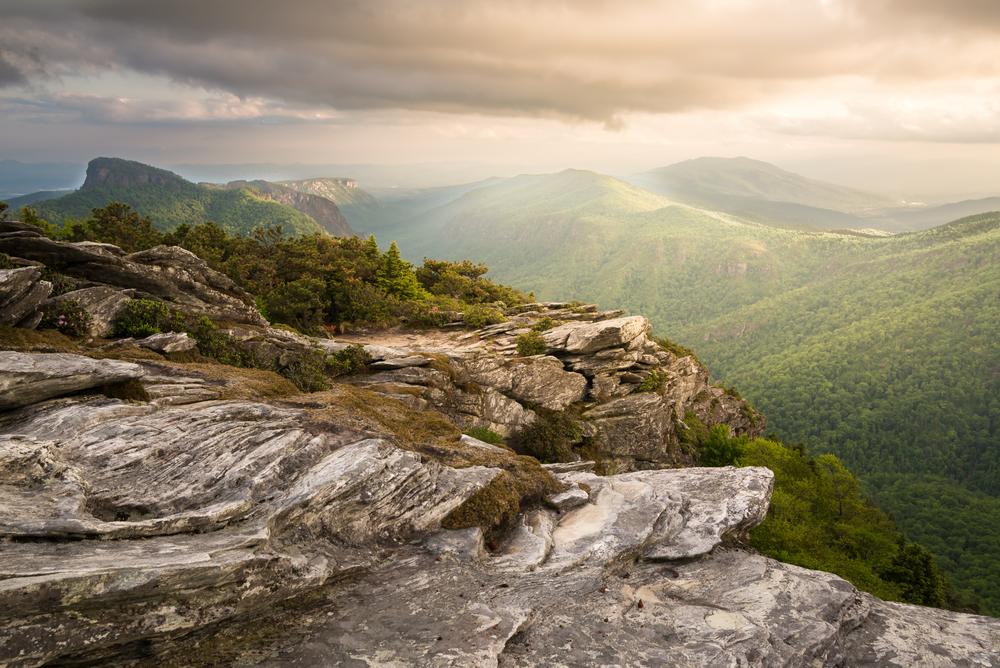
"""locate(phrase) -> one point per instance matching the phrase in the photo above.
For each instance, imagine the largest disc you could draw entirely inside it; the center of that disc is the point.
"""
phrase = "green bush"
(550, 438)
(485, 435)
(480, 316)
(352, 359)
(212, 342)
(721, 448)
(300, 303)
(307, 371)
(140, 318)
(675, 348)
(653, 382)
(544, 324)
(66, 315)
(531, 343)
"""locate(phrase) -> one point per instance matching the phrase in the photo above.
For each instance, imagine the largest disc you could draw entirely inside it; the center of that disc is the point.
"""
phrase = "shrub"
(721, 448)
(531, 343)
(212, 342)
(307, 371)
(299, 303)
(68, 316)
(485, 435)
(675, 348)
(140, 318)
(352, 359)
(435, 312)
(654, 382)
(544, 324)
(481, 316)
(550, 438)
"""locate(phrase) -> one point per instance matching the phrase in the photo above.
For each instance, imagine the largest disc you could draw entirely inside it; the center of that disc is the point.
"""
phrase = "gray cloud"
(9, 73)
(587, 59)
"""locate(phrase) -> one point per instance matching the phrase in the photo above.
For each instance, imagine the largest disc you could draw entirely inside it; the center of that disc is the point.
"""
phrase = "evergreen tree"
(396, 276)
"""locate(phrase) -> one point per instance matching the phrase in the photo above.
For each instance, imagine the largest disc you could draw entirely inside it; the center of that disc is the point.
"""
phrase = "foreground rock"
(165, 272)
(631, 398)
(242, 532)
(22, 292)
(26, 379)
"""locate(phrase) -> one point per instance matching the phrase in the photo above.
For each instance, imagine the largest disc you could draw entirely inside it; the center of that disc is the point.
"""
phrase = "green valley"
(882, 350)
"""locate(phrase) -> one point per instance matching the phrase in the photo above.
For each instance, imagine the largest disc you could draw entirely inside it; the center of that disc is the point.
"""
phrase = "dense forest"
(819, 516)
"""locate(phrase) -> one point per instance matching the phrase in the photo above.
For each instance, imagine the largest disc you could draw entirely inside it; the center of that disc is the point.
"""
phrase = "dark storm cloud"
(587, 59)
(9, 73)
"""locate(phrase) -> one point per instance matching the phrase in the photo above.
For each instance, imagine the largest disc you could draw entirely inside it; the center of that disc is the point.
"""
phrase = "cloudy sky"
(893, 95)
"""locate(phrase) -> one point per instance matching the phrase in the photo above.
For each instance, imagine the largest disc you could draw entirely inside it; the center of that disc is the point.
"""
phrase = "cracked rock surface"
(194, 529)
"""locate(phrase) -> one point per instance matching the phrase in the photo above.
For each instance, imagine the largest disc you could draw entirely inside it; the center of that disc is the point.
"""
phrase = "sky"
(896, 96)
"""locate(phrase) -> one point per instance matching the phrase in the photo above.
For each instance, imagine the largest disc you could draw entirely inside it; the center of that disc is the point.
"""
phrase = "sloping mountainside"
(170, 201)
(395, 205)
(924, 218)
(346, 193)
(184, 504)
(321, 209)
(32, 198)
(882, 350)
(761, 191)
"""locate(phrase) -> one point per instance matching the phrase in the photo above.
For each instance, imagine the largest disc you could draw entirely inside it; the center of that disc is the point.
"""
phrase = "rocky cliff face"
(120, 173)
(154, 512)
(321, 209)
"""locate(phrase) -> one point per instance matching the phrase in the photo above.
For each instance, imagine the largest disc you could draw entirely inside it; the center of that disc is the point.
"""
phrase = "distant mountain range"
(170, 200)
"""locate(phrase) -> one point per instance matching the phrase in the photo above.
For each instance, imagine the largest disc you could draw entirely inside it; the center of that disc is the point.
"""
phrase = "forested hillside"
(169, 201)
(880, 349)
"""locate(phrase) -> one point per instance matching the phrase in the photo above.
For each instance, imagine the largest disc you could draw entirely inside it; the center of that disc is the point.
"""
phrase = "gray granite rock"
(27, 378)
(102, 303)
(22, 293)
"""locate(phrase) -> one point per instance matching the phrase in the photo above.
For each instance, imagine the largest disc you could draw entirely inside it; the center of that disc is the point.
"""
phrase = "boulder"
(102, 303)
(637, 430)
(27, 378)
(539, 380)
(168, 342)
(590, 337)
(401, 362)
(22, 292)
(166, 272)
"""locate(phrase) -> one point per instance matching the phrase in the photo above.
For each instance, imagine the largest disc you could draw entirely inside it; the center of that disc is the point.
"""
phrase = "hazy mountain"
(926, 217)
(880, 349)
(321, 209)
(32, 198)
(761, 191)
(354, 203)
(170, 200)
(18, 178)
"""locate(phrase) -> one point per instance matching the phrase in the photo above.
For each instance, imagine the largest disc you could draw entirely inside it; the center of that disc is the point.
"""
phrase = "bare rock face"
(239, 532)
(29, 378)
(628, 394)
(102, 304)
(22, 292)
(166, 272)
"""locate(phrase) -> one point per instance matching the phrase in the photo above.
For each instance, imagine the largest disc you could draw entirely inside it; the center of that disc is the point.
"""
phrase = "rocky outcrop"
(102, 303)
(236, 531)
(165, 272)
(22, 292)
(321, 209)
(26, 379)
(629, 395)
